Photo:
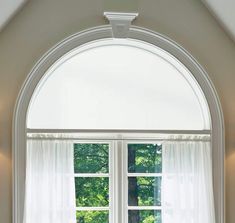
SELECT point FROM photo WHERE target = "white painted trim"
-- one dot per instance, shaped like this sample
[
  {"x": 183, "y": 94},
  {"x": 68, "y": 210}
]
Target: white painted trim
[
  {"x": 120, "y": 131},
  {"x": 120, "y": 22},
  {"x": 91, "y": 175},
  {"x": 125, "y": 182},
  {"x": 144, "y": 174},
  {"x": 144, "y": 208},
  {"x": 116, "y": 182},
  {"x": 92, "y": 208},
  {"x": 102, "y": 32},
  {"x": 130, "y": 16},
  {"x": 112, "y": 198},
  {"x": 154, "y": 140}
]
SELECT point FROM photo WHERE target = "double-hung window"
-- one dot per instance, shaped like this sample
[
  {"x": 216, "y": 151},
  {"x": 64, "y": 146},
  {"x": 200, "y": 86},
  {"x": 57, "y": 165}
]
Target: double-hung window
[
  {"x": 142, "y": 173},
  {"x": 118, "y": 181},
  {"x": 93, "y": 181}
]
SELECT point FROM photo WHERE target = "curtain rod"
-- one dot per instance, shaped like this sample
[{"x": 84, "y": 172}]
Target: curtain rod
[{"x": 190, "y": 132}]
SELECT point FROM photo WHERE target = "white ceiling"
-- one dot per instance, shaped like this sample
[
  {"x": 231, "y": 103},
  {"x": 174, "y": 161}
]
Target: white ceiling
[
  {"x": 223, "y": 10},
  {"x": 8, "y": 9}
]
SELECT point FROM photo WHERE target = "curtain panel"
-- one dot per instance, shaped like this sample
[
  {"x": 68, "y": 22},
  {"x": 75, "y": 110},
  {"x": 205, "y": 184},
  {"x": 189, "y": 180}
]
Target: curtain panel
[
  {"x": 187, "y": 184},
  {"x": 50, "y": 189},
  {"x": 186, "y": 190}
]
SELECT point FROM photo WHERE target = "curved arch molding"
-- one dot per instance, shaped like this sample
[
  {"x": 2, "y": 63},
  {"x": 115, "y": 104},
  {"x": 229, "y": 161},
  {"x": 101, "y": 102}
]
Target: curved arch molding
[{"x": 102, "y": 32}]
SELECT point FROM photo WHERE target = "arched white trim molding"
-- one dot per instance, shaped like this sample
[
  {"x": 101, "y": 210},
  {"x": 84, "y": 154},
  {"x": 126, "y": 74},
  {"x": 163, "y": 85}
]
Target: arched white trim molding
[{"x": 105, "y": 32}]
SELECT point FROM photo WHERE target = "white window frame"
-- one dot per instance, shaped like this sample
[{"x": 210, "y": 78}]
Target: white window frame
[
  {"x": 110, "y": 175},
  {"x": 104, "y": 32},
  {"x": 125, "y": 176}
]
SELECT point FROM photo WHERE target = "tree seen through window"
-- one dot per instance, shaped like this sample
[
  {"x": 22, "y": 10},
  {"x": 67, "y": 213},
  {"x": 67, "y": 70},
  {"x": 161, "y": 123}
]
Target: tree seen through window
[{"x": 93, "y": 158}]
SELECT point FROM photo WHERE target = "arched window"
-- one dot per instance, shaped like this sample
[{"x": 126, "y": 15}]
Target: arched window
[
  {"x": 118, "y": 84},
  {"x": 127, "y": 108}
]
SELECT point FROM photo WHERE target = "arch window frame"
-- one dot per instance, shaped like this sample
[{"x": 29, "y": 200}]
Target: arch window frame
[{"x": 104, "y": 32}]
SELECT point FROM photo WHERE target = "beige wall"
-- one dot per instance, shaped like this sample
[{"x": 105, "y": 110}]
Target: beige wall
[{"x": 41, "y": 24}]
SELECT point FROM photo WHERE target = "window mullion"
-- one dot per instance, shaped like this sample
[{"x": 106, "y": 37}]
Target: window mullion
[
  {"x": 119, "y": 198},
  {"x": 120, "y": 182},
  {"x": 124, "y": 183},
  {"x": 112, "y": 182},
  {"x": 115, "y": 185}
]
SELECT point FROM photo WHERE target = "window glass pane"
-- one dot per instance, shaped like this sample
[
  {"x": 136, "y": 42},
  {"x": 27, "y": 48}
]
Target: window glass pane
[
  {"x": 144, "y": 191},
  {"x": 92, "y": 216},
  {"x": 92, "y": 191},
  {"x": 144, "y": 216},
  {"x": 91, "y": 158},
  {"x": 86, "y": 88},
  {"x": 144, "y": 158}
]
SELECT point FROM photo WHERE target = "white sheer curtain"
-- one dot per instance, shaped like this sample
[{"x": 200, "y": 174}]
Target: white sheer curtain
[
  {"x": 187, "y": 181},
  {"x": 50, "y": 189}
]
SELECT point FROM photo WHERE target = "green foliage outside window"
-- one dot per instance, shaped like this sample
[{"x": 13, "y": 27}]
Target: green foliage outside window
[
  {"x": 142, "y": 191},
  {"x": 92, "y": 217},
  {"x": 91, "y": 158},
  {"x": 92, "y": 191}
]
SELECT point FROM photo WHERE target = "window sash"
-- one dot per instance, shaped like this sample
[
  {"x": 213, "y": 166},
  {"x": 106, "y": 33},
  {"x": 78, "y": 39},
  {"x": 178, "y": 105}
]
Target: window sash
[
  {"x": 118, "y": 179},
  {"x": 110, "y": 174}
]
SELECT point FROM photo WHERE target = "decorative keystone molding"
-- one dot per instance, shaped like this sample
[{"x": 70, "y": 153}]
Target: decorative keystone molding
[{"x": 120, "y": 22}]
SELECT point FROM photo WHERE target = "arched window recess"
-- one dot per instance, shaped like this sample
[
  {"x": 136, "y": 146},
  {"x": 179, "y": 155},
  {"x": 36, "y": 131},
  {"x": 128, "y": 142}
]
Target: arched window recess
[{"x": 119, "y": 86}]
